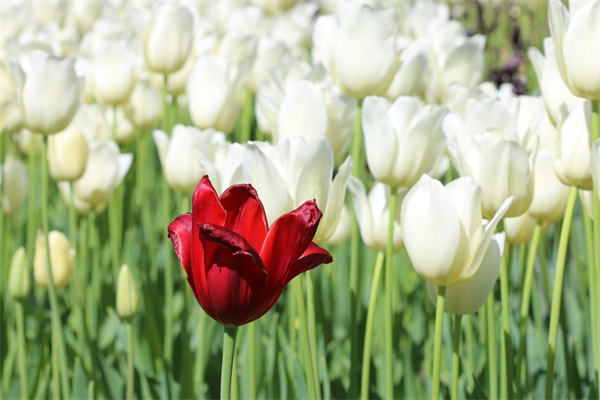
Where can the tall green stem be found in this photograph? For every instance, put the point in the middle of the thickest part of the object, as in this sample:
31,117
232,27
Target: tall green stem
491,342
229,336
307,355
354,262
506,376
21,348
130,371
524,312
312,326
437,341
557,291
366,362
32,221
252,359
165,106
595,284
59,343
389,291
456,356
168,338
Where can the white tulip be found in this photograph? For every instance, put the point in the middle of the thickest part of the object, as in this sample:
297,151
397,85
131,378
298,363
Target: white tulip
373,214
576,37
70,197
484,147
403,140
572,163
67,154
587,200
358,48
314,111
104,171
554,90
62,259
180,154
410,78
448,220
113,73
287,175
49,94
519,229
144,109
28,143
274,7
169,40
14,184
214,92
550,195
128,298
344,227
10,116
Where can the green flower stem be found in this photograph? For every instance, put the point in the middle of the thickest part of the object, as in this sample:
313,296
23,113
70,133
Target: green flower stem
113,227
20,320
389,291
557,291
596,274
456,356
165,107
200,351
366,361
32,220
354,262
470,348
247,113
312,326
506,375
59,344
252,359
229,336
82,282
305,342
168,338
589,236
130,371
524,312
437,342
140,169
491,342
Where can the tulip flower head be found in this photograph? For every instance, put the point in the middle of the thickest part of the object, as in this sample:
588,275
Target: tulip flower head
14,185
236,265
448,219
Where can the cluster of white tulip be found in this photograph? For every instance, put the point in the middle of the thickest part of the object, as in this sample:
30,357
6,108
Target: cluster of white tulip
93,76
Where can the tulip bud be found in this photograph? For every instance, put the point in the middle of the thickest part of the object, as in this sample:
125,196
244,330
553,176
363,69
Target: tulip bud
29,143
144,109
11,119
49,94
67,154
170,38
19,282
62,259
550,195
128,300
14,185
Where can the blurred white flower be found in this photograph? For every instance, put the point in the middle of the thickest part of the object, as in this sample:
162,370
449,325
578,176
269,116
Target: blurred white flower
572,163
62,259
67,154
576,36
180,154
113,72
104,171
403,140
519,229
373,214
144,108
49,94
555,92
358,48
14,183
169,39
214,92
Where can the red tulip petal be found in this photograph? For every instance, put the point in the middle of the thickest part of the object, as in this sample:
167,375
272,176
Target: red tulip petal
312,258
235,275
206,208
287,239
245,214
180,233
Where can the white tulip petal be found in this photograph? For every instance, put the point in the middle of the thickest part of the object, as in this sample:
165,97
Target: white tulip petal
162,144
303,113
315,175
380,139
362,209
324,35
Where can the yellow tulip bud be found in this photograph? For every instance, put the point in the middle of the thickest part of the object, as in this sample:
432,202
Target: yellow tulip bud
62,259
19,283
128,300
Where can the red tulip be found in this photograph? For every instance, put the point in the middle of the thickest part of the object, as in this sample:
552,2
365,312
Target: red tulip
236,265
